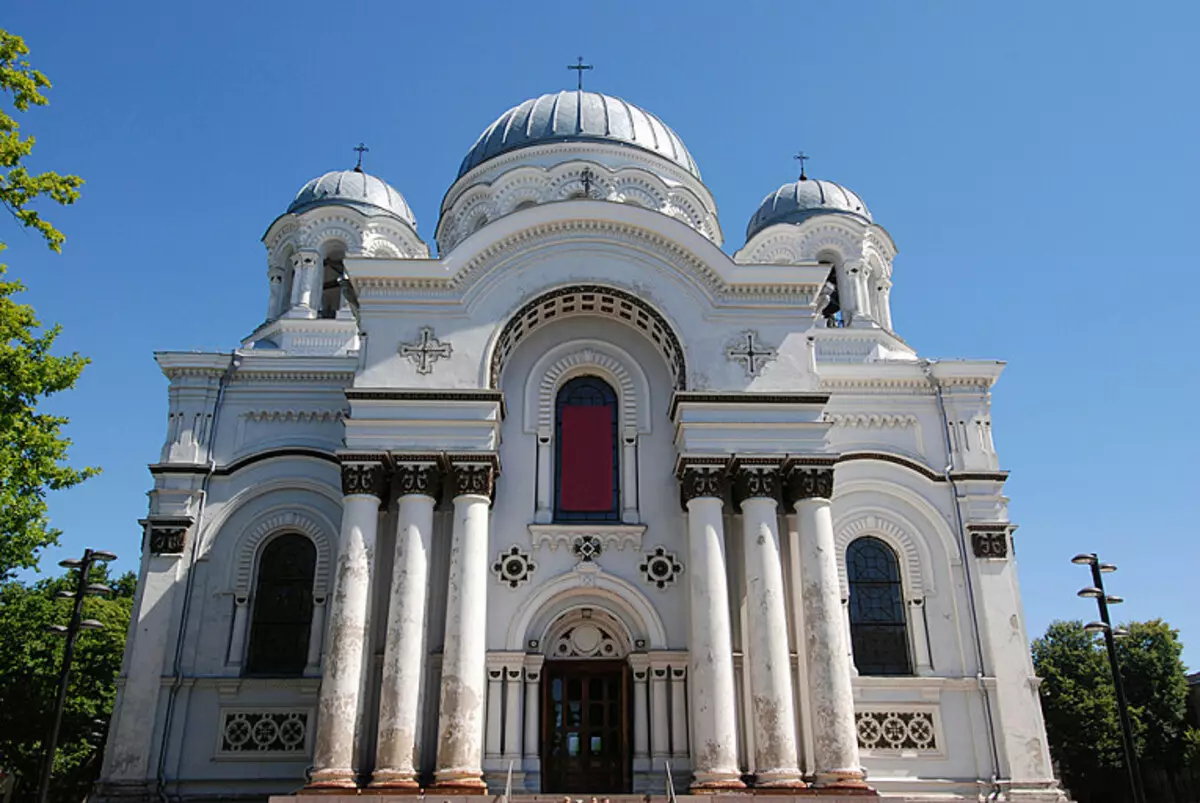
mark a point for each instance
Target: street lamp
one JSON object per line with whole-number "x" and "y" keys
{"x": 83, "y": 587}
{"x": 1103, "y": 600}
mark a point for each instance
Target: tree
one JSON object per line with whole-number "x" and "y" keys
{"x": 33, "y": 450}
{"x": 30, "y": 658}
{"x": 1079, "y": 704}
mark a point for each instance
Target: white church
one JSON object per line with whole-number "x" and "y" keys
{"x": 580, "y": 506}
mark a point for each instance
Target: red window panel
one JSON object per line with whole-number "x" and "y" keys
{"x": 586, "y": 451}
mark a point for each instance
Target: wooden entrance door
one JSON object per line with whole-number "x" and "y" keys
{"x": 585, "y": 727}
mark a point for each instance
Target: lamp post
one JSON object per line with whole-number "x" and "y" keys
{"x": 1103, "y": 600}
{"x": 83, "y": 587}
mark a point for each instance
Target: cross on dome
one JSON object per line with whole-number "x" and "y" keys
{"x": 579, "y": 67}
{"x": 361, "y": 149}
{"x": 802, "y": 157}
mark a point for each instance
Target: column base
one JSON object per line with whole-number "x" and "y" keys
{"x": 716, "y": 785}
{"x": 467, "y": 785}
{"x": 398, "y": 781}
{"x": 332, "y": 779}
{"x": 845, "y": 782}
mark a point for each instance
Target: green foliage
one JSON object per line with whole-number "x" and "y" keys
{"x": 30, "y": 659}
{"x": 33, "y": 451}
{"x": 1079, "y": 704}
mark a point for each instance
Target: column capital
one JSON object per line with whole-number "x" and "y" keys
{"x": 639, "y": 662}
{"x": 363, "y": 474}
{"x": 807, "y": 481}
{"x": 473, "y": 474}
{"x": 702, "y": 478}
{"x": 533, "y": 667}
{"x": 756, "y": 479}
{"x": 416, "y": 475}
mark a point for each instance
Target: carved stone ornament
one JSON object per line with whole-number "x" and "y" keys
{"x": 701, "y": 481}
{"x": 809, "y": 482}
{"x": 990, "y": 544}
{"x": 587, "y": 548}
{"x": 513, "y": 567}
{"x": 660, "y": 568}
{"x": 478, "y": 479}
{"x": 755, "y": 482}
{"x": 363, "y": 478}
{"x": 417, "y": 478}
{"x": 748, "y": 350}
{"x": 896, "y": 730}
{"x": 426, "y": 351}
{"x": 168, "y": 539}
{"x": 264, "y": 732}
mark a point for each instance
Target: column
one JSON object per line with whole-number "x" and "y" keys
{"x": 660, "y": 735}
{"x": 755, "y": 490}
{"x": 512, "y": 716}
{"x": 338, "y": 705}
{"x": 459, "y": 764}
{"x": 679, "y": 741}
{"x": 835, "y": 737}
{"x": 306, "y": 271}
{"x": 237, "y": 641}
{"x": 533, "y": 722}
{"x": 316, "y": 638}
{"x": 629, "y": 476}
{"x": 639, "y": 664}
{"x": 544, "y": 514}
{"x": 714, "y": 715}
{"x": 495, "y": 699}
{"x": 274, "y": 301}
{"x": 416, "y": 488}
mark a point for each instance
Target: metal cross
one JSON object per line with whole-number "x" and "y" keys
{"x": 579, "y": 67}
{"x": 361, "y": 148}
{"x": 802, "y": 157}
{"x": 426, "y": 351}
{"x": 753, "y": 356}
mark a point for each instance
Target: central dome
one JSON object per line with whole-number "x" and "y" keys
{"x": 578, "y": 116}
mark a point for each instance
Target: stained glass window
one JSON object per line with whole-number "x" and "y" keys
{"x": 878, "y": 629}
{"x": 283, "y": 606}
{"x": 586, "y": 487}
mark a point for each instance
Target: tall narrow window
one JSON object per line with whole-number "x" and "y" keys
{"x": 283, "y": 607}
{"x": 878, "y": 629}
{"x": 586, "y": 465}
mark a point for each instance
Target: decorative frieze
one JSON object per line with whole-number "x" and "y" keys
{"x": 417, "y": 478}
{"x": 914, "y": 731}
{"x": 808, "y": 482}
{"x": 513, "y": 567}
{"x": 610, "y": 537}
{"x": 363, "y": 478}
{"x": 661, "y": 568}
{"x": 259, "y": 732}
{"x": 478, "y": 479}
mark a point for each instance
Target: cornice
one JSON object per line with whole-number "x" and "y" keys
{"x": 715, "y": 398}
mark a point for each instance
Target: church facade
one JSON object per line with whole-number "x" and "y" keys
{"x": 582, "y": 505}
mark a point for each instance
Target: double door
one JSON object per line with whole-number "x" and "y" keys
{"x": 585, "y": 727}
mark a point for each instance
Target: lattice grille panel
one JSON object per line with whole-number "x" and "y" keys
{"x": 264, "y": 732}
{"x": 897, "y": 730}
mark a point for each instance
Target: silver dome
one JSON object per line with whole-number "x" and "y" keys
{"x": 578, "y": 116}
{"x": 356, "y": 189}
{"x": 799, "y": 200}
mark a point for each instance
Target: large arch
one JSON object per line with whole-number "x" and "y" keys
{"x": 592, "y": 300}
{"x": 574, "y": 590}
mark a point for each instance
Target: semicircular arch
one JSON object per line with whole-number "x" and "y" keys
{"x": 578, "y": 357}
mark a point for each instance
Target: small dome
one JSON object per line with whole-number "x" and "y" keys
{"x": 356, "y": 189}
{"x": 578, "y": 116}
{"x": 797, "y": 201}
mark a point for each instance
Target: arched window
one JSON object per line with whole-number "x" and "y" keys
{"x": 585, "y": 454}
{"x": 283, "y": 607}
{"x": 878, "y": 630}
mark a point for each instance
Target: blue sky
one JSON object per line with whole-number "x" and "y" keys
{"x": 1035, "y": 162}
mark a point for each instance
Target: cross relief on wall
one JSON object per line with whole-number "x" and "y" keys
{"x": 748, "y": 350}
{"x": 426, "y": 351}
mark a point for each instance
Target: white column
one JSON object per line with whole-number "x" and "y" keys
{"x": 241, "y": 622}
{"x": 512, "y": 716}
{"x": 316, "y": 638}
{"x": 404, "y": 654}
{"x": 639, "y": 663}
{"x": 544, "y": 513}
{"x": 679, "y": 740}
{"x": 829, "y": 667}
{"x": 920, "y": 638}
{"x": 533, "y": 722}
{"x": 338, "y": 705}
{"x": 495, "y": 694}
{"x": 797, "y": 601}
{"x": 459, "y": 765}
{"x": 629, "y": 482}
{"x": 714, "y": 712}
{"x": 660, "y": 735}
{"x": 306, "y": 272}
{"x": 274, "y": 300}
{"x": 776, "y": 762}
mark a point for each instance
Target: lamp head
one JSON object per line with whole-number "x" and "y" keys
{"x": 1090, "y": 592}
{"x": 70, "y": 563}
{"x": 1120, "y": 632}
{"x": 1084, "y": 558}
{"x": 1113, "y": 599}
{"x": 101, "y": 554}
{"x": 1108, "y": 567}
{"x": 1095, "y": 627}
